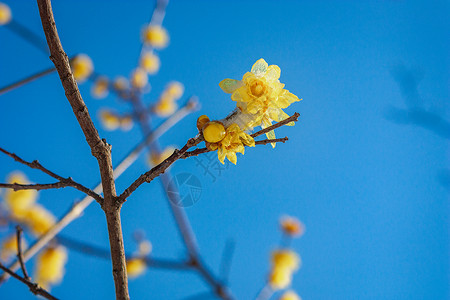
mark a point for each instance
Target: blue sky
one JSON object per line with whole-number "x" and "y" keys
{"x": 366, "y": 172}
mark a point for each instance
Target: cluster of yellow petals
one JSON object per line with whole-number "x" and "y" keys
{"x": 139, "y": 78}
{"x": 166, "y": 104}
{"x": 155, "y": 36}
{"x": 100, "y": 88}
{"x": 284, "y": 264}
{"x": 292, "y": 226}
{"x": 150, "y": 62}
{"x": 136, "y": 266}
{"x": 82, "y": 67}
{"x": 111, "y": 120}
{"x": 5, "y": 14}
{"x": 155, "y": 159}
{"x": 49, "y": 268}
{"x": 39, "y": 220}
{"x": 226, "y": 140}
{"x": 261, "y": 95}
{"x": 8, "y": 248}
{"x": 290, "y": 295}
{"x": 19, "y": 202}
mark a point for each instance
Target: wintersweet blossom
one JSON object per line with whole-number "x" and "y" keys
{"x": 157, "y": 158}
{"x": 38, "y": 219}
{"x": 8, "y": 248}
{"x": 49, "y": 267}
{"x": 280, "y": 278}
{"x": 139, "y": 78}
{"x": 290, "y": 295}
{"x": 5, "y": 14}
{"x": 136, "y": 267}
{"x": 100, "y": 87}
{"x": 156, "y": 36}
{"x": 150, "y": 62}
{"x": 82, "y": 67}
{"x": 166, "y": 104}
{"x": 292, "y": 226}
{"x": 286, "y": 259}
{"x": 18, "y": 202}
{"x": 110, "y": 120}
{"x": 260, "y": 95}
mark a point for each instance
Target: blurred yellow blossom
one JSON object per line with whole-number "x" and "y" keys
{"x": 126, "y": 123}
{"x": 139, "y": 78}
{"x": 290, "y": 295}
{"x": 8, "y": 248}
{"x": 285, "y": 259}
{"x": 156, "y": 36}
{"x": 155, "y": 159}
{"x": 109, "y": 120}
{"x": 82, "y": 67}
{"x": 136, "y": 267}
{"x": 5, "y": 14}
{"x": 280, "y": 278}
{"x": 120, "y": 83}
{"x": 49, "y": 267}
{"x": 165, "y": 107}
{"x": 39, "y": 219}
{"x": 144, "y": 247}
{"x": 20, "y": 201}
{"x": 100, "y": 88}
{"x": 292, "y": 226}
{"x": 175, "y": 90}
{"x": 150, "y": 62}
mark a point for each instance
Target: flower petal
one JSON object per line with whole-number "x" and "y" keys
{"x": 273, "y": 72}
{"x": 230, "y": 85}
{"x": 232, "y": 157}
{"x": 260, "y": 67}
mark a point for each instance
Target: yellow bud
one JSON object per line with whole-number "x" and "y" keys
{"x": 290, "y": 295}
{"x": 49, "y": 268}
{"x": 100, "y": 88}
{"x": 126, "y": 123}
{"x": 82, "y": 67}
{"x": 20, "y": 201}
{"x": 292, "y": 226}
{"x": 5, "y": 14}
{"x": 135, "y": 267}
{"x": 165, "y": 107}
{"x": 214, "y": 132}
{"x": 201, "y": 121}
{"x": 175, "y": 90}
{"x": 8, "y": 248}
{"x": 109, "y": 120}
{"x": 285, "y": 259}
{"x": 155, "y": 36}
{"x": 280, "y": 278}
{"x": 120, "y": 83}
{"x": 39, "y": 219}
{"x": 150, "y": 62}
{"x": 139, "y": 78}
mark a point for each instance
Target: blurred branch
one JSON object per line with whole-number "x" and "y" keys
{"x": 26, "y": 80}
{"x": 63, "y": 182}
{"x": 34, "y": 287}
{"x": 28, "y": 35}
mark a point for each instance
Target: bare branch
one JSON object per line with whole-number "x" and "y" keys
{"x": 19, "y": 252}
{"x": 26, "y": 80}
{"x": 293, "y": 118}
{"x": 34, "y": 287}
{"x": 63, "y": 182}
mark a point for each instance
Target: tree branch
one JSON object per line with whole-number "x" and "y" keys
{"x": 19, "y": 252}
{"x": 63, "y": 182}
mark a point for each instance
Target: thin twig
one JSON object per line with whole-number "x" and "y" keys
{"x": 26, "y": 80}
{"x": 63, "y": 182}
{"x": 19, "y": 252}
{"x": 34, "y": 287}
{"x": 293, "y": 118}
{"x": 28, "y": 35}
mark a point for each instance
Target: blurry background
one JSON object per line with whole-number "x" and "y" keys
{"x": 366, "y": 167}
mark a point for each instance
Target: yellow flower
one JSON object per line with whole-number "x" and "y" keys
{"x": 120, "y": 84}
{"x": 150, "y": 62}
{"x": 39, "y": 219}
{"x": 82, "y": 67}
{"x": 155, "y": 36}
{"x": 126, "y": 123}
{"x": 20, "y": 201}
{"x": 49, "y": 268}
{"x": 109, "y": 120}
{"x": 157, "y": 158}
{"x": 5, "y": 14}
{"x": 136, "y": 267}
{"x": 280, "y": 278}
{"x": 233, "y": 141}
{"x": 100, "y": 87}
{"x": 290, "y": 295}
{"x": 8, "y": 248}
{"x": 139, "y": 78}
{"x": 175, "y": 90}
{"x": 292, "y": 226}
{"x": 286, "y": 259}
{"x": 165, "y": 107}
{"x": 261, "y": 95}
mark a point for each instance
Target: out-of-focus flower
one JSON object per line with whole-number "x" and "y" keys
{"x": 292, "y": 226}
{"x": 136, "y": 267}
{"x": 226, "y": 140}
{"x": 49, "y": 268}
{"x": 126, "y": 123}
{"x": 155, "y": 159}
{"x": 175, "y": 90}
{"x": 82, "y": 67}
{"x": 109, "y": 120}
{"x": 120, "y": 84}
{"x": 39, "y": 219}
{"x": 166, "y": 104}
{"x": 156, "y": 36}
{"x": 139, "y": 78}
{"x": 144, "y": 248}
{"x": 280, "y": 278}
{"x": 100, "y": 88}
{"x": 260, "y": 95}
{"x": 8, "y": 248}
{"x": 5, "y": 14}
{"x": 290, "y": 295}
{"x": 150, "y": 62}
{"x": 285, "y": 259}
{"x": 18, "y": 202}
